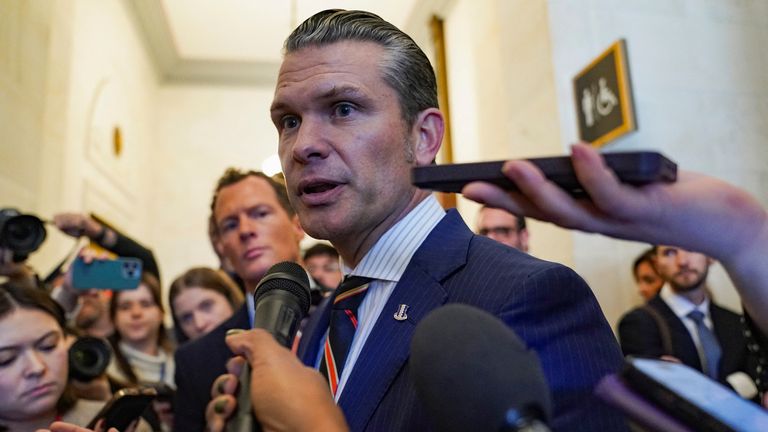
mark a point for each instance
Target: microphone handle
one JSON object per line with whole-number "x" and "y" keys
{"x": 278, "y": 313}
{"x": 243, "y": 420}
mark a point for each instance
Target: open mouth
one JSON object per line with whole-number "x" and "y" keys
{"x": 318, "y": 187}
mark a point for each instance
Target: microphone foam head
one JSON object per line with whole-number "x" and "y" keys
{"x": 470, "y": 369}
{"x": 286, "y": 276}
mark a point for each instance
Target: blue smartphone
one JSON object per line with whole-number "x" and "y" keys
{"x": 693, "y": 398}
{"x": 117, "y": 274}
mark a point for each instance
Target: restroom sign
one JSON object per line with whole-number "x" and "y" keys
{"x": 603, "y": 97}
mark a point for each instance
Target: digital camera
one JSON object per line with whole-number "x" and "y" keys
{"x": 21, "y": 233}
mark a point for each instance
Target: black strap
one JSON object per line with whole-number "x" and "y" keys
{"x": 666, "y": 335}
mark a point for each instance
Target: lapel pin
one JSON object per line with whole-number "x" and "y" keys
{"x": 401, "y": 314}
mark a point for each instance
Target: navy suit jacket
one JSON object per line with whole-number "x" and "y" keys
{"x": 640, "y": 336}
{"x": 198, "y": 364}
{"x": 550, "y": 307}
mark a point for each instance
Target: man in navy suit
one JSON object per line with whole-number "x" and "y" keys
{"x": 256, "y": 228}
{"x": 356, "y": 109}
{"x": 664, "y": 326}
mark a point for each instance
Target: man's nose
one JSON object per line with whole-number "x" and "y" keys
{"x": 310, "y": 142}
{"x": 682, "y": 258}
{"x": 246, "y": 227}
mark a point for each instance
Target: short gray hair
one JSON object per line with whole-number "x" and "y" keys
{"x": 406, "y": 68}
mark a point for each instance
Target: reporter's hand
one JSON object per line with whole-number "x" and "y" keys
{"x": 286, "y": 395}
{"x": 77, "y": 224}
{"x": 223, "y": 401}
{"x": 696, "y": 212}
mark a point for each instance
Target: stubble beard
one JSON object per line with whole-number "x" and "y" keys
{"x": 698, "y": 283}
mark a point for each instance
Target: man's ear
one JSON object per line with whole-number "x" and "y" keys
{"x": 523, "y": 234}
{"x": 428, "y": 130}
{"x": 218, "y": 248}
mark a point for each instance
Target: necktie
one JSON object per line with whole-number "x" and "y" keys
{"x": 710, "y": 347}
{"x": 342, "y": 327}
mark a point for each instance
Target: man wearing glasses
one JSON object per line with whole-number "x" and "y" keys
{"x": 503, "y": 227}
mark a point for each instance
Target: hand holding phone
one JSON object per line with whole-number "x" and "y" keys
{"x": 126, "y": 406}
{"x": 636, "y": 168}
{"x": 117, "y": 274}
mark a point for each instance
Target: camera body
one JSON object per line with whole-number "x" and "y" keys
{"x": 88, "y": 358}
{"x": 21, "y": 233}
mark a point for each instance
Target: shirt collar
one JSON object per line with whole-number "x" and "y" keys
{"x": 680, "y": 305}
{"x": 391, "y": 254}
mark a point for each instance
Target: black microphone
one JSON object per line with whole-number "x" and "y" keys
{"x": 472, "y": 372}
{"x": 281, "y": 301}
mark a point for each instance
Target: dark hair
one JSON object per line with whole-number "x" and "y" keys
{"x": 519, "y": 220}
{"x": 405, "y": 68}
{"x": 321, "y": 249}
{"x": 207, "y": 278}
{"x": 646, "y": 256}
{"x": 15, "y": 296}
{"x": 234, "y": 175}
{"x": 150, "y": 281}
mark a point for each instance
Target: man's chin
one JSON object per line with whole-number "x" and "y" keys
{"x": 687, "y": 285}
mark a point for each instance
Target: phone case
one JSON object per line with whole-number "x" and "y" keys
{"x": 635, "y": 168}
{"x": 118, "y": 274}
{"x": 124, "y": 407}
{"x": 692, "y": 398}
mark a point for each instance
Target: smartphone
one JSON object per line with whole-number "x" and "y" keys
{"x": 693, "y": 398}
{"x": 117, "y": 274}
{"x": 125, "y": 406}
{"x": 635, "y": 168}
{"x": 165, "y": 393}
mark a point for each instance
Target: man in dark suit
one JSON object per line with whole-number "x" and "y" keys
{"x": 257, "y": 228}
{"x": 356, "y": 109}
{"x": 668, "y": 325}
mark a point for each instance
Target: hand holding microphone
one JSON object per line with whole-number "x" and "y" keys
{"x": 272, "y": 381}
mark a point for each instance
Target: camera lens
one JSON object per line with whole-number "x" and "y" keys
{"x": 21, "y": 233}
{"x": 88, "y": 358}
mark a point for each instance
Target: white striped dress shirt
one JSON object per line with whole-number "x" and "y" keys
{"x": 386, "y": 263}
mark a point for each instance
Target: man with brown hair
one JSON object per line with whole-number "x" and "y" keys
{"x": 683, "y": 322}
{"x": 255, "y": 228}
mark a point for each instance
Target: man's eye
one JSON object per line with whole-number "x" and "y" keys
{"x": 343, "y": 109}
{"x": 290, "y": 122}
{"x": 227, "y": 226}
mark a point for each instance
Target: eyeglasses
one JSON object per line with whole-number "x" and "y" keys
{"x": 330, "y": 268}
{"x": 502, "y": 231}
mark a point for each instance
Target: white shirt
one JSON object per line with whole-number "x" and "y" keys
{"x": 386, "y": 262}
{"x": 681, "y": 306}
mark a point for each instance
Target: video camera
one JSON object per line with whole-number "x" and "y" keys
{"x": 21, "y": 233}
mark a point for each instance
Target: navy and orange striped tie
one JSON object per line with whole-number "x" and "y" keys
{"x": 342, "y": 327}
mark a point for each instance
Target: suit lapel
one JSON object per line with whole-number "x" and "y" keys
{"x": 388, "y": 346}
{"x": 681, "y": 338}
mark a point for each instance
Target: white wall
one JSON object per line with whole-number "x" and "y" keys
{"x": 200, "y": 131}
{"x": 34, "y": 50}
{"x": 70, "y": 71}
{"x": 502, "y": 96}
{"x": 701, "y": 96}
